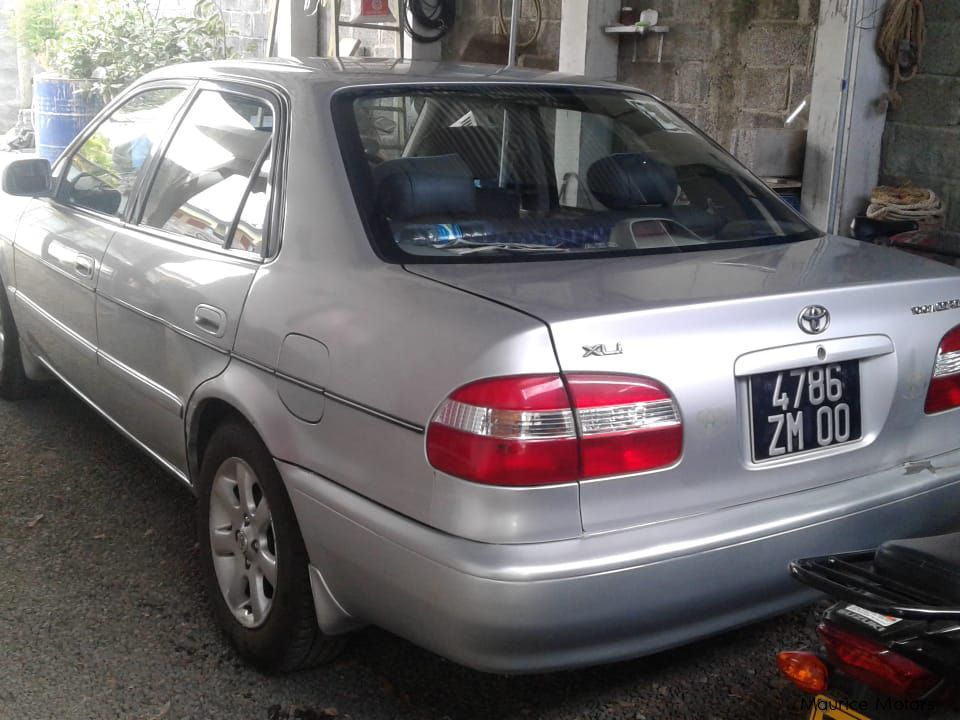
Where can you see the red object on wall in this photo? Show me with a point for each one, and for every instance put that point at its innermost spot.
(374, 12)
(375, 9)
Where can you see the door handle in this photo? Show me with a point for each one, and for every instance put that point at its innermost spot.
(211, 320)
(83, 266)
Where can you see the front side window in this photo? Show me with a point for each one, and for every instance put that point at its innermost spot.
(499, 172)
(213, 181)
(103, 173)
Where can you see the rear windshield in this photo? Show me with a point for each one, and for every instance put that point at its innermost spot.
(494, 172)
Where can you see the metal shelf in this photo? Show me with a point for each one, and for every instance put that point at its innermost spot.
(639, 31)
(635, 29)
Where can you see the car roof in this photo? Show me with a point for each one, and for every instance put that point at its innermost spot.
(333, 74)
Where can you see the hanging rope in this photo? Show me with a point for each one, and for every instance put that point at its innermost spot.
(900, 43)
(906, 203)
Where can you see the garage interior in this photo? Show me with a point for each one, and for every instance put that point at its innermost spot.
(795, 89)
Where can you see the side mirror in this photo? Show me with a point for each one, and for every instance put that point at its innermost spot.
(29, 177)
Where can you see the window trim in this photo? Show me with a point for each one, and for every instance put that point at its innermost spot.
(273, 219)
(66, 158)
(247, 192)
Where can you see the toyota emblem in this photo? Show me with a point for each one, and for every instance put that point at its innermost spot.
(814, 319)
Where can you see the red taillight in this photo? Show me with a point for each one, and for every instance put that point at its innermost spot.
(544, 429)
(626, 424)
(804, 669)
(874, 665)
(506, 431)
(944, 392)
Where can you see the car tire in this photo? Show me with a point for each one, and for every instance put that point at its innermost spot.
(14, 384)
(253, 557)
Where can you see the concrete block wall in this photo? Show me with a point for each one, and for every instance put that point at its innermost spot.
(921, 143)
(482, 17)
(247, 23)
(248, 26)
(728, 65)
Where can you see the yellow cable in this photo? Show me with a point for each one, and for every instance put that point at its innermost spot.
(536, 34)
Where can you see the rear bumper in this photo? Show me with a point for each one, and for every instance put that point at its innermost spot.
(594, 599)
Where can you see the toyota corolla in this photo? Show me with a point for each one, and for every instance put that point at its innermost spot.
(519, 366)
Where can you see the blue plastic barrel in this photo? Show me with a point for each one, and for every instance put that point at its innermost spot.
(61, 109)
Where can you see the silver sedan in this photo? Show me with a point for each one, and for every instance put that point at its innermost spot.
(518, 366)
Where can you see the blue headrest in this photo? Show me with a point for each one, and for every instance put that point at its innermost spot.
(419, 186)
(628, 180)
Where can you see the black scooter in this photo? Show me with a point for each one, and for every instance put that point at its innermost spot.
(891, 642)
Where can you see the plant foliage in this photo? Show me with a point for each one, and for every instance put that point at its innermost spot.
(113, 42)
(38, 23)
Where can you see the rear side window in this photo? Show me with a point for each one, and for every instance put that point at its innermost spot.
(213, 181)
(103, 173)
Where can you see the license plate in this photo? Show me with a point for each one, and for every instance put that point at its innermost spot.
(826, 708)
(804, 409)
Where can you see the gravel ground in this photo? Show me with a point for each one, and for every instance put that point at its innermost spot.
(102, 616)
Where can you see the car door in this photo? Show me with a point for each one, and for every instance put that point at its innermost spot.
(174, 282)
(60, 241)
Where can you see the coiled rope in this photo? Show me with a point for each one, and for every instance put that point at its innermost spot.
(906, 203)
(900, 43)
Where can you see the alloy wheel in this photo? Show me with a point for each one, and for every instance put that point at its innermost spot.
(243, 542)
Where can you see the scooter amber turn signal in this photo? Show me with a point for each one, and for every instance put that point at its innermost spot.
(804, 669)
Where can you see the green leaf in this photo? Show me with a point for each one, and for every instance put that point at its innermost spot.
(127, 40)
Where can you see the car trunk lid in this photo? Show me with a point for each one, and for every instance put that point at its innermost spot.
(705, 323)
